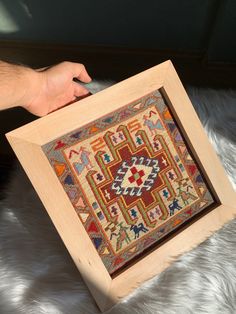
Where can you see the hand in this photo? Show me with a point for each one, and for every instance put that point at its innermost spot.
(54, 87)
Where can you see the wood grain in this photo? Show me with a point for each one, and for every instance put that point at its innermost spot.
(27, 143)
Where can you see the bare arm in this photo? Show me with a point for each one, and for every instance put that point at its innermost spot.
(41, 91)
(14, 81)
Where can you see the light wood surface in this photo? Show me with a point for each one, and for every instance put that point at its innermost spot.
(27, 143)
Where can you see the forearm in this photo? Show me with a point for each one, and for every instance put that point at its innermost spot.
(15, 82)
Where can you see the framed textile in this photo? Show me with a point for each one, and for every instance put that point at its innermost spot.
(129, 179)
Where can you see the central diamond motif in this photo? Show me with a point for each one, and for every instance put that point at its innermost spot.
(135, 176)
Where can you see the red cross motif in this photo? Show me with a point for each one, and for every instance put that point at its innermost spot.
(136, 176)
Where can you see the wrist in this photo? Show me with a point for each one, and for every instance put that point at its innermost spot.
(30, 86)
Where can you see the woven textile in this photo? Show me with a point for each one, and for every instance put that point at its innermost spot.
(130, 178)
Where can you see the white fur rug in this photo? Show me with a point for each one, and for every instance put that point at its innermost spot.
(37, 276)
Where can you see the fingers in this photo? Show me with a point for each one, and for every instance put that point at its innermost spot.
(78, 70)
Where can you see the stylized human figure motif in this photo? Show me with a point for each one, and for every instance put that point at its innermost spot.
(185, 194)
(153, 126)
(84, 161)
(174, 205)
(137, 229)
(122, 236)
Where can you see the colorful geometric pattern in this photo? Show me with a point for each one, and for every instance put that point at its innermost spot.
(130, 178)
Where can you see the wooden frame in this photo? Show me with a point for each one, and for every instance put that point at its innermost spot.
(28, 141)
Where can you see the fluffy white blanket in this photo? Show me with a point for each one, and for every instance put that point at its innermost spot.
(37, 276)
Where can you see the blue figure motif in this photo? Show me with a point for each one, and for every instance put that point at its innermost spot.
(153, 126)
(137, 229)
(84, 161)
(165, 193)
(133, 213)
(174, 205)
(139, 140)
(95, 205)
(107, 158)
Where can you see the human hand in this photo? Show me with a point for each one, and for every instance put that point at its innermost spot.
(53, 87)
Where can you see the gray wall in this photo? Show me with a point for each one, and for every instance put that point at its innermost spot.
(192, 26)
(222, 46)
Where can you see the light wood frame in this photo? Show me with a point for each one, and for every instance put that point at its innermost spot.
(27, 143)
